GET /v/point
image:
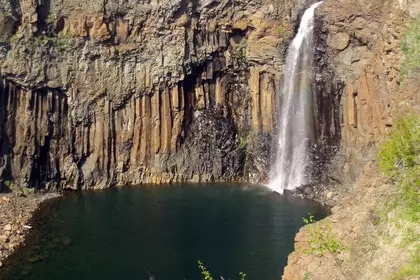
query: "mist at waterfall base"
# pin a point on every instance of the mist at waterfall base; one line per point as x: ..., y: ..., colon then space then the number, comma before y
x: 125, y: 233
x: 296, y: 123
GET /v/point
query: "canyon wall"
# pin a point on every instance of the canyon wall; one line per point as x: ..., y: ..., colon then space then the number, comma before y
x: 101, y: 93
x: 363, y: 52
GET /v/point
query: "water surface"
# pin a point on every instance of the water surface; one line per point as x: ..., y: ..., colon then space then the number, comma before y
x: 127, y: 233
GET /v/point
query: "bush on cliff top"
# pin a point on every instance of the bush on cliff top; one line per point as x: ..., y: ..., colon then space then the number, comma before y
x: 410, y: 45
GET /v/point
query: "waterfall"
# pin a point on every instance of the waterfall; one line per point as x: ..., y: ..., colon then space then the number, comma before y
x: 296, y: 123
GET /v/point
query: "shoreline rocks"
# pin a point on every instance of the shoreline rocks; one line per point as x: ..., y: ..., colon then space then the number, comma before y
x: 15, y: 215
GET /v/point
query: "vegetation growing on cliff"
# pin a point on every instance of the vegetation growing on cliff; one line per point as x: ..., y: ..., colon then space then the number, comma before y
x: 321, y: 240
x: 410, y: 269
x: 399, y: 157
x: 410, y: 45
x: 241, y: 48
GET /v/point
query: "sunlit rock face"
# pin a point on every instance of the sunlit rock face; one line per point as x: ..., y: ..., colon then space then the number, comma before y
x: 96, y: 94
x: 359, y: 50
x: 102, y: 93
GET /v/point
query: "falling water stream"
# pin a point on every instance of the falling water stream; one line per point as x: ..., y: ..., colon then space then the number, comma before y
x: 296, y: 124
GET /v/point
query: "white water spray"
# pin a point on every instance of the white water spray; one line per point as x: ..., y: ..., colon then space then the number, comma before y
x: 296, y: 122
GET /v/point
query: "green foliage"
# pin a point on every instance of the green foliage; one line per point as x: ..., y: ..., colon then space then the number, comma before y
x: 8, y: 183
x: 241, y: 48
x: 402, y: 147
x: 280, y: 30
x: 51, y: 17
x: 399, y: 157
x: 306, y: 276
x: 409, y: 193
x: 244, y: 141
x: 207, y: 276
x: 61, y: 43
x: 410, y: 236
x: 14, y: 38
x: 309, y: 220
x: 323, y: 240
x: 410, y: 45
x: 204, y: 271
x: 410, y: 269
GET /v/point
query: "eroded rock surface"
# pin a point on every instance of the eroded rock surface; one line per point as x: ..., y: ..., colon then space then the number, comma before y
x: 100, y: 93
x: 363, y: 53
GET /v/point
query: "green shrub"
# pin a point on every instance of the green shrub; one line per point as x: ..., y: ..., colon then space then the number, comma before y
x: 241, y: 48
x: 410, y: 45
x: 323, y: 240
x: 280, y: 30
x: 399, y: 157
x: 402, y: 147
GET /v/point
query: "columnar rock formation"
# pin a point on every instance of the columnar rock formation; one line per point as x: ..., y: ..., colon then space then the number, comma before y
x: 99, y: 93
x: 363, y: 51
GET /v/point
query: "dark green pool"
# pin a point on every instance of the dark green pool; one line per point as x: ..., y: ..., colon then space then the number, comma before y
x: 128, y: 233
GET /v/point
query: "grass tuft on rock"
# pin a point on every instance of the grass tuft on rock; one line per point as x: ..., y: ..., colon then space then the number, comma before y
x: 410, y: 45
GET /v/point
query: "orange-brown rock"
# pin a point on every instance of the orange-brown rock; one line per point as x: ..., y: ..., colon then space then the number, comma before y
x: 97, y: 94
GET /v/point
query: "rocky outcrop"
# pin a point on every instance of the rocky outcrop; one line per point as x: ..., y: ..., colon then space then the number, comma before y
x: 102, y: 93
x: 16, y: 214
x: 373, y: 249
x: 363, y: 53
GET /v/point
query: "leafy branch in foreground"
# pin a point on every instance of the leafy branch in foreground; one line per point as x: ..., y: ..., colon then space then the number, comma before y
x: 309, y: 220
x: 207, y: 276
x: 204, y: 271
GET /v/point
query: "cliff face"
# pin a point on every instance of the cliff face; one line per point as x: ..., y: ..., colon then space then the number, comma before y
x: 99, y: 93
x: 360, y: 92
x: 362, y: 49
